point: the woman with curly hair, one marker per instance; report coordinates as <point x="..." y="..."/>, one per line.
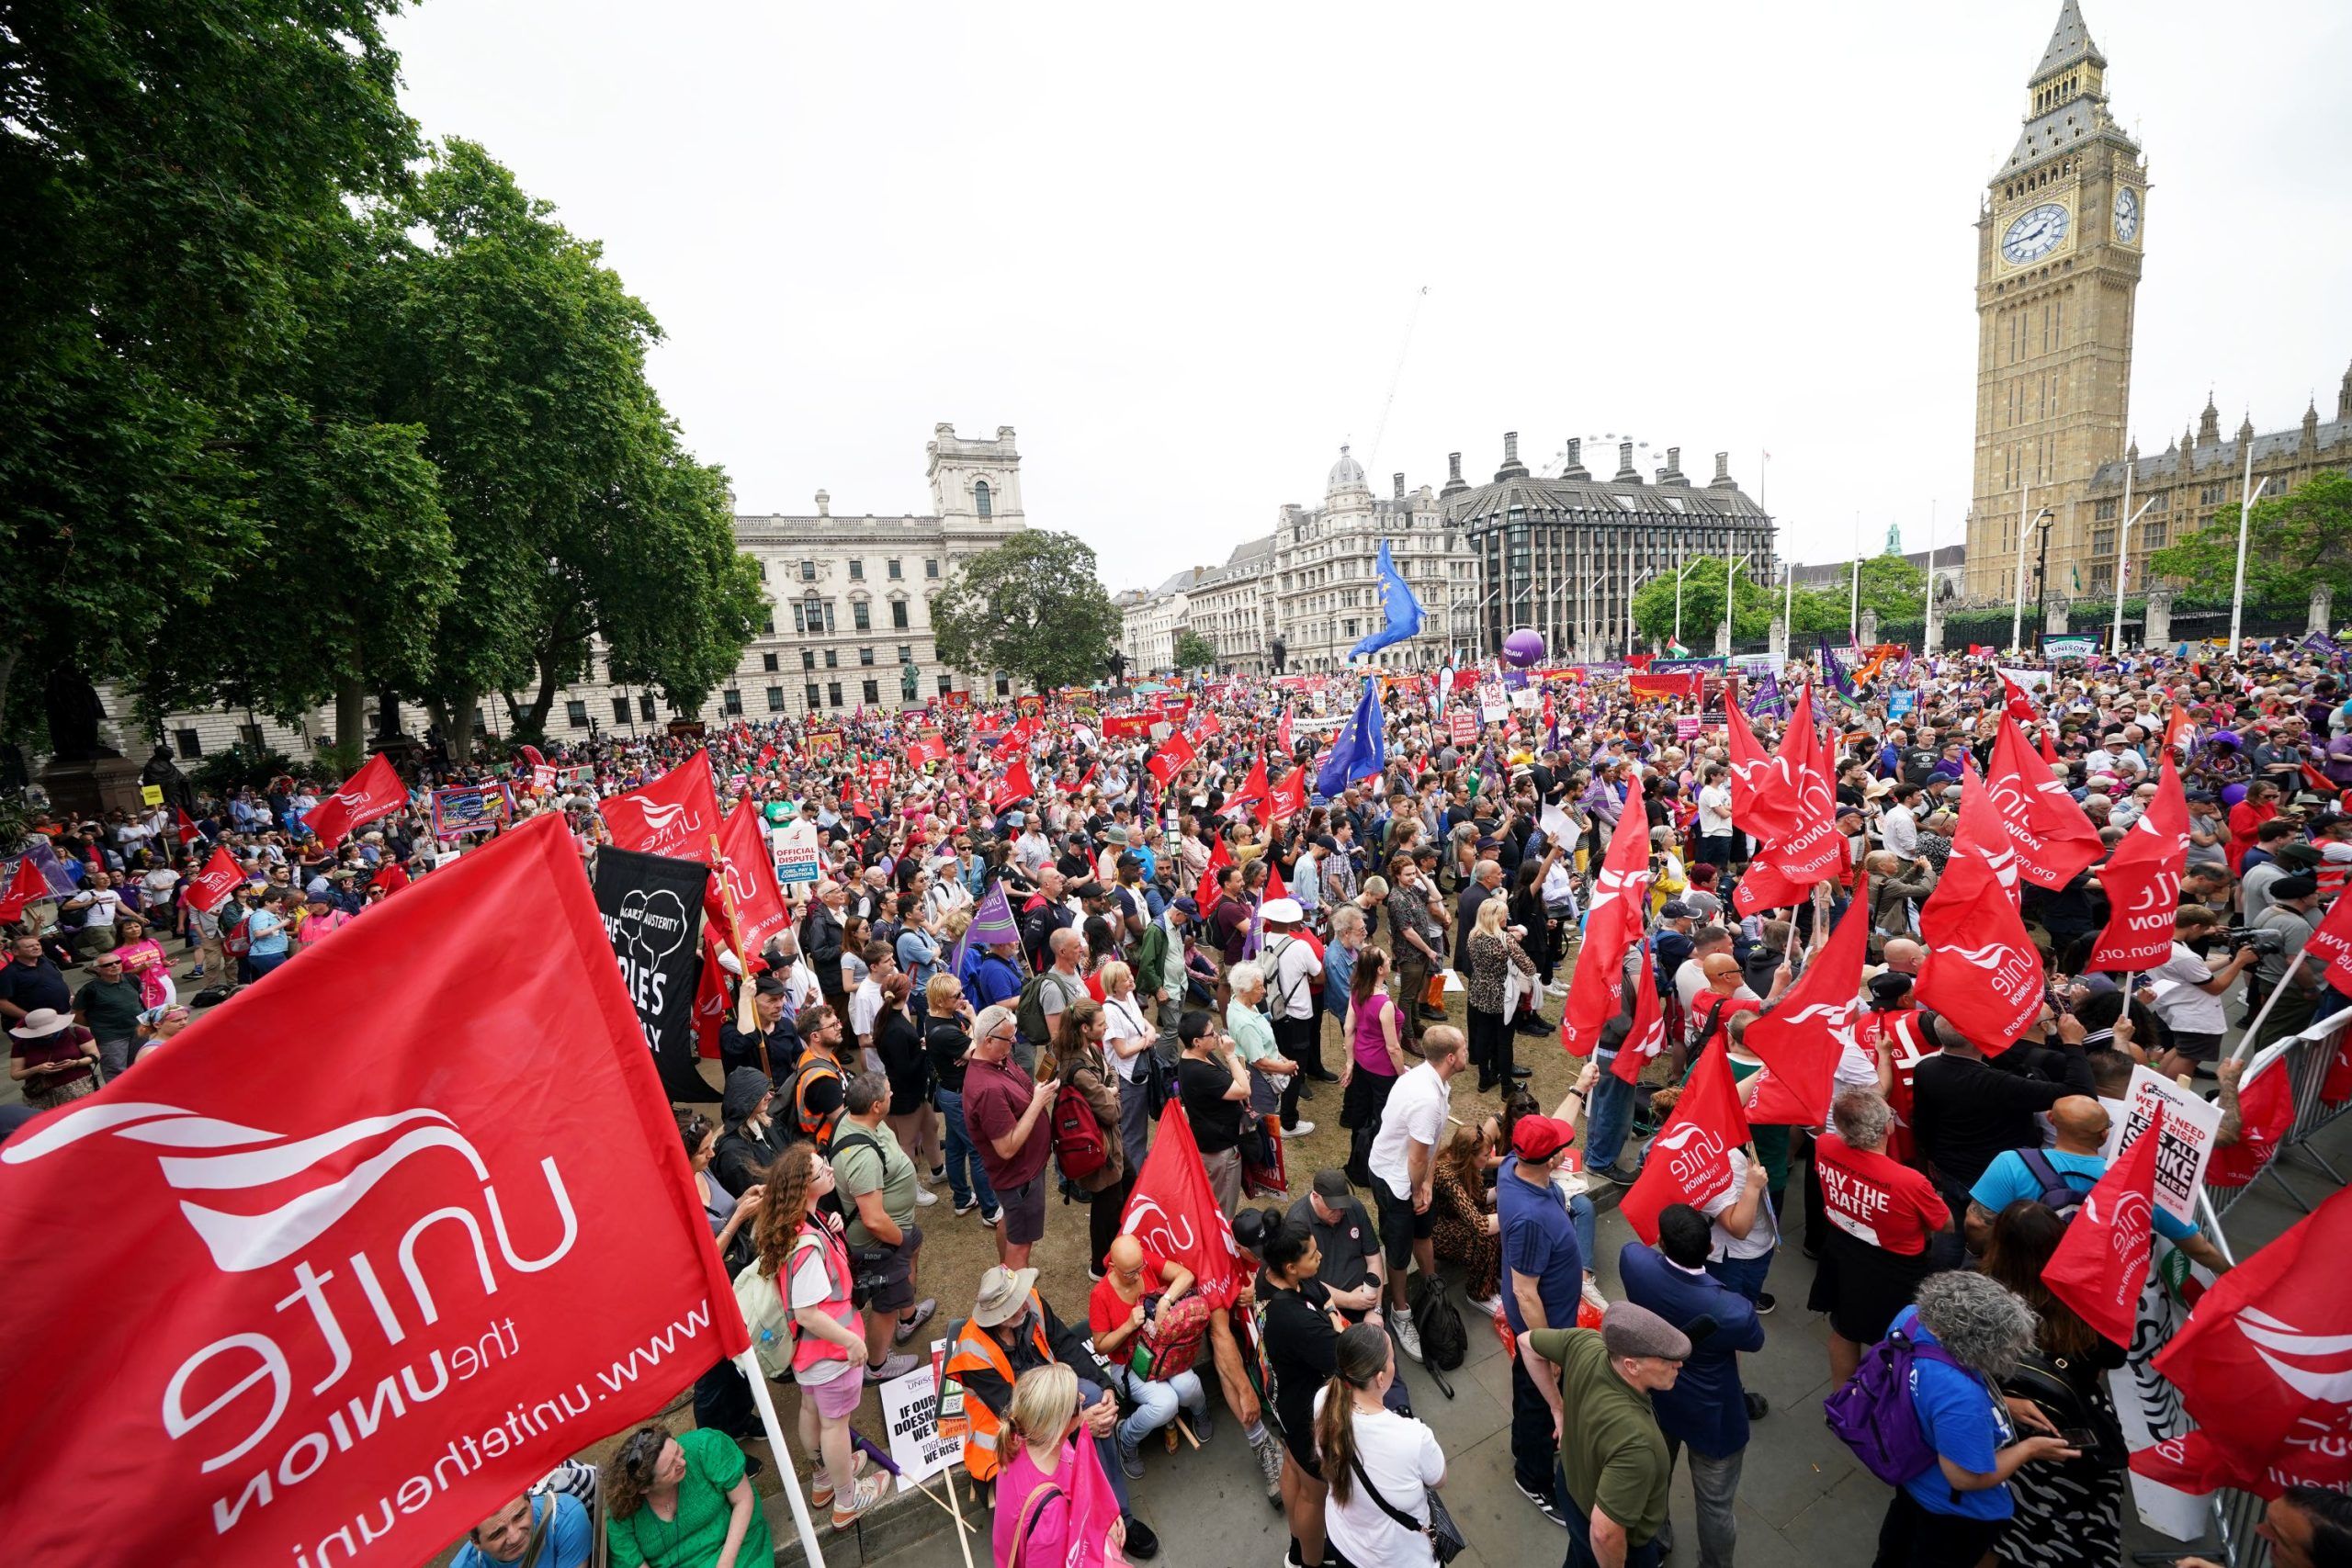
<point x="1466" y="1229"/>
<point x="683" y="1501"/>
<point x="803" y="1267"/>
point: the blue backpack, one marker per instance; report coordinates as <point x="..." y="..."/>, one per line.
<point x="1872" y="1413"/>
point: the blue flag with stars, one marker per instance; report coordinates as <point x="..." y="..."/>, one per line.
<point x="1397" y="601"/>
<point x="1361" y="747"/>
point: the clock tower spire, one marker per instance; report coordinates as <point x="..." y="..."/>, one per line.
<point x="2057" y="266"/>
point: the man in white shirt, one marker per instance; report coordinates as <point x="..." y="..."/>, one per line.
<point x="865" y="1003"/>
<point x="1032" y="849"/>
<point x="1691" y="977"/>
<point x="1293" y="977"/>
<point x="2186" y="991"/>
<point x="1404" y="1168"/>
<point x="1899" y="827"/>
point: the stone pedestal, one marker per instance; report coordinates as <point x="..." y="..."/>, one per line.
<point x="1778" y="640"/>
<point x="1870" y="627"/>
<point x="95" y="787"/>
<point x="2156" y="634"/>
<point x="2054" y="619"/>
<point x="2322" y="606"/>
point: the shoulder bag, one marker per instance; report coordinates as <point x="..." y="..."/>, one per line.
<point x="1444" y="1536"/>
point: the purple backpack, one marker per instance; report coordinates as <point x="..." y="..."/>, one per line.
<point x="1872" y="1413"/>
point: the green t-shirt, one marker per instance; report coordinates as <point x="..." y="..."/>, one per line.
<point x="692" y="1540"/>
<point x="1771" y="1142"/>
<point x="858" y="1169"/>
<point x="1612" y="1453"/>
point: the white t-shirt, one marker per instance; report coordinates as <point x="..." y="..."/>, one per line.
<point x="2178" y="1001"/>
<point x="1689" y="981"/>
<point x="1415" y="1111"/>
<point x="1401" y="1456"/>
<point x="1124" y="1020"/>
<point x="1290" y="981"/>
<point x="1761" y="1237"/>
<point x="104" y="906"/>
<point x="812" y="1287"/>
<point x="1715" y="812"/>
<point x="864" y="1007"/>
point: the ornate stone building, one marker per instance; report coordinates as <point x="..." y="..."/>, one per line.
<point x="1564" y="555"/>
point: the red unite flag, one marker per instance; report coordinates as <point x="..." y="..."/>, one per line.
<point x="374" y="791"/>
<point x="1288" y="798"/>
<point x="1016" y="784"/>
<point x="30" y="887"/>
<point x="2141" y="879"/>
<point x="1205" y="894"/>
<point x="2054" y="841"/>
<point x="188" y="831"/>
<point x="1173" y="1211"/>
<point x="1763" y="793"/>
<point x="745" y="871"/>
<point x="2020" y="706"/>
<point x="1253" y="791"/>
<point x="210" y="887"/>
<point x="1810" y="1028"/>
<point x="396" y="1298"/>
<point x="1813" y="851"/>
<point x="1646" y="1039"/>
<point x="1611" y="928"/>
<point x="1690" y="1160"/>
<point x="674" y="816"/>
<point x="2263" y="1367"/>
<point x="2331" y="944"/>
<point x="1983" y="971"/>
<point x="2102" y="1261"/>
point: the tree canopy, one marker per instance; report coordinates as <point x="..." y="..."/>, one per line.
<point x="2295" y="542"/>
<point x="1030" y="607"/>
<point x="1891" y="585"/>
<point x="1194" y="651"/>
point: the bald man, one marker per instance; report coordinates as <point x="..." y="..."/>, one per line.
<point x="1904" y="955"/>
<point x="2059" y="1175"/>
<point x="1134" y="1298"/>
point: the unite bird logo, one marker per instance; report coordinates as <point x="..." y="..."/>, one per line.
<point x="660" y="818"/>
<point x="2276" y="1341"/>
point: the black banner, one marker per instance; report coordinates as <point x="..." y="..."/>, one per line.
<point x="652" y="910"/>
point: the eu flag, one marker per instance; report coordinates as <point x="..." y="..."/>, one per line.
<point x="1361" y="748"/>
<point x="1397" y="604"/>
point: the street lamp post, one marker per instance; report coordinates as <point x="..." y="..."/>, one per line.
<point x="2249" y="492"/>
<point x="2041" y="525"/>
<point x="2017" y="617"/>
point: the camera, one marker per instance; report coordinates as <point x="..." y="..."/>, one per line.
<point x="2260" y="940"/>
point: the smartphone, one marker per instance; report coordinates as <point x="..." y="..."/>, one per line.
<point x="2080" y="1438"/>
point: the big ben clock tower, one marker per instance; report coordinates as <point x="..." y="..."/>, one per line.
<point x="2057" y="265"/>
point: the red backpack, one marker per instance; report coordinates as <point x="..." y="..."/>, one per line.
<point x="1078" y="1138"/>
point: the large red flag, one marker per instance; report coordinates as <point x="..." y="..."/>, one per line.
<point x="1763" y="791"/>
<point x="30" y="887"/>
<point x="1016" y="784"/>
<point x="374" y="791"/>
<point x="1690" y="1160"/>
<point x="210" y="887"/>
<point x="2019" y="705"/>
<point x="1611" y="928"/>
<point x="1205" y="894"/>
<point x="2054" y="841"/>
<point x="2331" y="944"/>
<point x="748" y="873"/>
<point x="1813" y="851"/>
<point x="1173" y="1211"/>
<point x="674" y="816"/>
<point x="2264" y="1366"/>
<point x="1210" y="725"/>
<point x="1288" y="798"/>
<point x="1809" y="1029"/>
<point x="395" y="1297"/>
<point x="1646" y="1039"/>
<point x="1253" y="788"/>
<point x="2141" y="879"/>
<point x="2102" y="1261"/>
<point x="1175" y="755"/>
<point x="1982" y="971"/>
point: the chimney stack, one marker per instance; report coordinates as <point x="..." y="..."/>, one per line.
<point x="1575" y="468"/>
<point x="1400" y="485"/>
<point x="1512" y="468"/>
<point x="1626" y="472"/>
<point x="1723" y="469"/>
<point x="1454" y="483"/>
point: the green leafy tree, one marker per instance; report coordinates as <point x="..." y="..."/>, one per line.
<point x="1702" y="605"/>
<point x="2294" y="543"/>
<point x="1032" y="607"/>
<point x="169" y="169"/>
<point x="1194" y="651"/>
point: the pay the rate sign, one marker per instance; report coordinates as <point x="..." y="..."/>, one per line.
<point x="337" y="1316"/>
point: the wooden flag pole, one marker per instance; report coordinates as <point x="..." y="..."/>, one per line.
<point x="747" y="1018"/>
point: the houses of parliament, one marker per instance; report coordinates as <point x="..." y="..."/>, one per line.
<point x="2059" y="240"/>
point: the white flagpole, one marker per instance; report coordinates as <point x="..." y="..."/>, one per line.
<point x="2250" y="493"/>
<point x="2017" y="617"/>
<point x="748" y="1364"/>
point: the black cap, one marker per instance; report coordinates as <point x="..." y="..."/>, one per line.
<point x="769" y="985"/>
<point x="1331" y="1185"/>
<point x="2298" y="885"/>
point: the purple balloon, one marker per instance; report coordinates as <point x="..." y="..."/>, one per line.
<point x="1523" y="649"/>
<point x="2233" y="794"/>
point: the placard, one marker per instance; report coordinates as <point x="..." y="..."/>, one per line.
<point x="822" y="742"/>
<point x="2069" y="647"/>
<point x="796" y="852"/>
<point x="911" y="1416"/>
<point x="2191" y="1123"/>
<point x="151" y="795"/>
<point x="469" y="809"/>
<point x="1687" y="726"/>
<point x="1462" y="728"/>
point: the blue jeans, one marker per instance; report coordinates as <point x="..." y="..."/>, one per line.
<point x="1581" y="1215"/>
<point x="1609" y="1116"/>
<point x="965" y="1179"/>
<point x="1744" y="1275"/>
<point x="1156" y="1404"/>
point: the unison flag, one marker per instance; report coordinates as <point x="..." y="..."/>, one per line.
<point x="395" y="1296"/>
<point x="650" y="907"/>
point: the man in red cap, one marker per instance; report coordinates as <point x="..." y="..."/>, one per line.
<point x="1547" y="1243"/>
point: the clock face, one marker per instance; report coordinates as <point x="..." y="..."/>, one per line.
<point x="2127" y="215"/>
<point x="2036" y="233"/>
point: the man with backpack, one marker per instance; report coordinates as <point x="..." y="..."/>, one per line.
<point x="2058" y="1177"/>
<point x="816" y="1092"/>
<point x="1048" y="994"/>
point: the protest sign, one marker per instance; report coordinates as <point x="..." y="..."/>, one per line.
<point x="1462" y="728"/>
<point x="2069" y="647"/>
<point x="795" y="852"/>
<point x="2187" y="1140"/>
<point x="469" y="809"/>
<point x="911" y="1416"/>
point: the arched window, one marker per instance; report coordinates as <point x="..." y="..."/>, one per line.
<point x="980" y="501"/>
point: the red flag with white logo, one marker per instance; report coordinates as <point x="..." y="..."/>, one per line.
<point x="396" y="1297"/>
<point x="1016" y="784"/>
<point x="1804" y="1034"/>
<point x="1983" y="971"/>
<point x="188" y="831"/>
<point x="1690" y="1160"/>
<point x="374" y="791"/>
<point x="2019" y="705"/>
<point x="1210" y="725"/>
<point x="2264" y="1366"/>
<point x="210" y="887"/>
<point x="747" y="875"/>
<point x="2141" y="879"/>
<point x="1175" y="755"/>
<point x="1611" y="928"/>
<point x="1763" y="791"/>
<point x="30" y="886"/>
<point x="1288" y="798"/>
<point x="1253" y="791"/>
<point x="673" y="816"/>
<point x="2331" y="944"/>
<point x="2102" y="1261"/>
<point x="1646" y="1039"/>
<point x="1219" y="858"/>
<point x="1173" y="1211"/>
<point x="1811" y="851"/>
<point x="2054" y="841"/>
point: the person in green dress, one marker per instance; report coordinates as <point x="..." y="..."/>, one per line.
<point x="682" y="1501"/>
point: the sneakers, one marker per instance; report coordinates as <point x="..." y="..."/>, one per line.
<point x="925" y="1196"/>
<point x="1757" y="1406"/>
<point x="966" y="1206"/>
<point x="1624" y="1176"/>
<point x="867" y="1493"/>
<point x="1300" y="1131"/>
<point x="1765" y="1304"/>
<point x="821" y="1491"/>
<point x="1202" y="1425"/>
<point x="892" y="1366"/>
<point x="988" y="1217"/>
<point x="1543" y="1501"/>
<point x="1130" y="1460"/>
<point x="1486" y="1305"/>
<point x="1270" y="1463"/>
<point x="921" y="1314"/>
<point x="937" y="1175"/>
<point x="1409" y="1338"/>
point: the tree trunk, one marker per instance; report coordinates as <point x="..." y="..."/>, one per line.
<point x="8" y="658"/>
<point x="459" y="728"/>
<point x="533" y="720"/>
<point x="351" y="715"/>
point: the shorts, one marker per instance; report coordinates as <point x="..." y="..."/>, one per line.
<point x="1400" y="1226"/>
<point x="1024" y="1211"/>
<point x="884" y="1278"/>
<point x="836" y="1398"/>
<point x="1714" y="849"/>
<point x="2195" y="1044"/>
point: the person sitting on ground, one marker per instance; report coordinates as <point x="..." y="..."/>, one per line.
<point x="1128" y="1307"/>
<point x="531" y="1531"/>
<point x="1467" y="1231"/>
<point x="682" y="1501"/>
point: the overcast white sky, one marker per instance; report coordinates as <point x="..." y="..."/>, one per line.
<point x="1178" y="248"/>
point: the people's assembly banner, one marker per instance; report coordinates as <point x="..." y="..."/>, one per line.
<point x="397" y="1296"/>
<point x="651" y="907"/>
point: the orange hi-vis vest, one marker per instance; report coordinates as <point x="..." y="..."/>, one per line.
<point x="814" y="1065"/>
<point x="977" y="1350"/>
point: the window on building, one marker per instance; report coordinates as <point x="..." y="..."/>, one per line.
<point x="775" y="699"/>
<point x="2160" y="504"/>
<point x="832" y="694"/>
<point x="2210" y="495"/>
<point x="808" y="658"/>
<point x="906" y="653"/>
<point x="861" y="616"/>
<point x="2152" y="536"/>
<point x="2102" y="541"/>
<point x="865" y="656"/>
<point x="763" y="569"/>
<point x="187" y="744"/>
<point x="891" y="567"/>
<point x="813" y="695"/>
<point x="645" y="706"/>
<point x="1003" y="686"/>
<point x="732" y="703"/>
<point x="2103" y="575"/>
<point x="767" y="620"/>
<point x="899" y="614"/>
<point x="983" y="503"/>
<point x="873" y="692"/>
<point x="833" y="658"/>
<point x="857" y="571"/>
<point x="807" y="571"/>
<point x="768" y="663"/>
<point x="2104" y="512"/>
<point x="620" y="710"/>
<point x="947" y="685"/>
<point x="930" y="568"/>
<point x="576" y="714"/>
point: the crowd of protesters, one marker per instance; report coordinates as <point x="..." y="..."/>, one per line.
<point x="1183" y="931"/>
